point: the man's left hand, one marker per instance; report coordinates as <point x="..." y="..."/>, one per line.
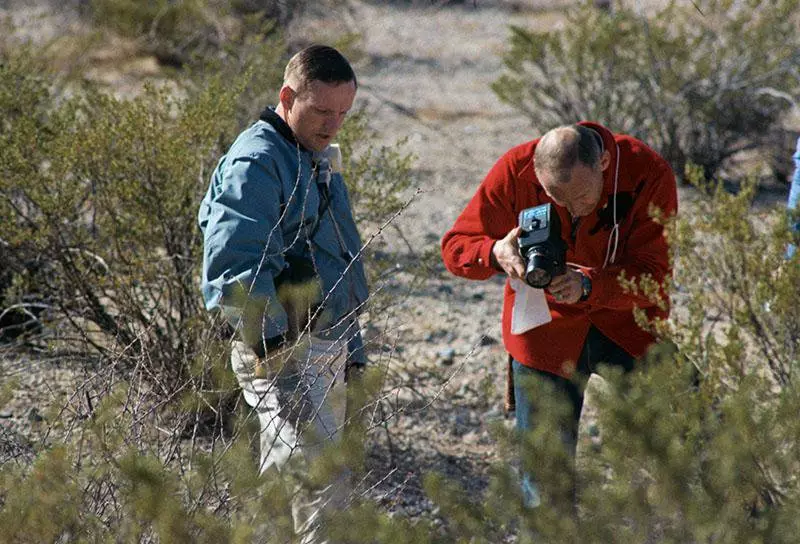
<point x="567" y="288"/>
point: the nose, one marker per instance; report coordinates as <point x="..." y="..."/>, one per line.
<point x="333" y="122"/>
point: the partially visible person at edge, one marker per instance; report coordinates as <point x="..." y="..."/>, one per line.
<point x="793" y="205"/>
<point x="282" y="263"/>
<point x="602" y="186"/>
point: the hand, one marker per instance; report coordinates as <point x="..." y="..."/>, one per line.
<point x="505" y="254"/>
<point x="567" y="288"/>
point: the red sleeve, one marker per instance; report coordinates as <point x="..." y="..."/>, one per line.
<point x="645" y="251"/>
<point x="467" y="246"/>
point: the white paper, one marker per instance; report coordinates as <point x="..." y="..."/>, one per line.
<point x="530" y="308"/>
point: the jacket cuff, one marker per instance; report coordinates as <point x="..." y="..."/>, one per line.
<point x="485" y="254"/>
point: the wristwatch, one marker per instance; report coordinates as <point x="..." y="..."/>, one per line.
<point x="586" y="287"/>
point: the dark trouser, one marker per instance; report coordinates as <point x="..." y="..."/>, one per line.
<point x="596" y="349"/>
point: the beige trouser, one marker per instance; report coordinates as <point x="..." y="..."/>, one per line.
<point x="299" y="397"/>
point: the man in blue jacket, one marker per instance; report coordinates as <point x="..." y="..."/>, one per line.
<point x="282" y="262"/>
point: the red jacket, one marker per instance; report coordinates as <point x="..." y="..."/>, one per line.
<point x="645" y="180"/>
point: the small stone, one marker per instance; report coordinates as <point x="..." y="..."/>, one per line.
<point x="487" y="340"/>
<point x="433" y="336"/>
<point x="447" y="356"/>
<point x="6" y="415"/>
<point x="34" y="415"/>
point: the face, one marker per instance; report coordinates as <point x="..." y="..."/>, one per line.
<point x="316" y="114"/>
<point x="582" y="192"/>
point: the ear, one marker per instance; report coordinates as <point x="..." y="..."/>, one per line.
<point x="605" y="161"/>
<point x="287" y="96"/>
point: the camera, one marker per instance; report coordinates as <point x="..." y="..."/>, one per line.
<point x="541" y="246"/>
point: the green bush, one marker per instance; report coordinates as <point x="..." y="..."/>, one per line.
<point x="100" y="195"/>
<point x="699" y="81"/>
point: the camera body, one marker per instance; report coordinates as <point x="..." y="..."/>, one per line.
<point x="541" y="246"/>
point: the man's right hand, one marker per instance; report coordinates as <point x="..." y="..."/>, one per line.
<point x="505" y="255"/>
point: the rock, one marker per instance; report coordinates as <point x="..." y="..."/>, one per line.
<point x="436" y="335"/>
<point x="486" y="340"/>
<point x="34" y="415"/>
<point x="447" y="356"/>
<point x="493" y="414"/>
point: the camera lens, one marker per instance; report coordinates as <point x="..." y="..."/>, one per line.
<point x="539" y="271"/>
<point x="538" y="278"/>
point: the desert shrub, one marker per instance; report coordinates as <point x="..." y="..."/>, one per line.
<point x="699" y="81"/>
<point x="101" y="194"/>
<point x="172" y="31"/>
<point x="280" y="11"/>
<point x="701" y="445"/>
<point x="177" y="33"/>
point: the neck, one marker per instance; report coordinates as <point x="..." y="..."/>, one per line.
<point x="281" y="112"/>
<point x="277" y="121"/>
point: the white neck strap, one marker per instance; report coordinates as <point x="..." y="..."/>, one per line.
<point x="613" y="238"/>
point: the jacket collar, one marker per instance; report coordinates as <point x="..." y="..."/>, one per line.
<point x="280" y="126"/>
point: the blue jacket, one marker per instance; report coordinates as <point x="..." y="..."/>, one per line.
<point x="794" y="197"/>
<point x="263" y="206"/>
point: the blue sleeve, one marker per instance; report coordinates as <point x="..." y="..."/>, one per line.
<point x="356" y="354"/>
<point x="794" y="197"/>
<point x="243" y="243"/>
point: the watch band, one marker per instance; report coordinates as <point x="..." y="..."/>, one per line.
<point x="586" y="287"/>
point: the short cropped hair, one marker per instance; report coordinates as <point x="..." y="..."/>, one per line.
<point x="561" y="148"/>
<point x="317" y="63"/>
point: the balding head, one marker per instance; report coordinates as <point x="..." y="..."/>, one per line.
<point x="569" y="162"/>
<point x="561" y="148"/>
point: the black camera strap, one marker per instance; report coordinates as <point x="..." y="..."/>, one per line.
<point x="324" y="199"/>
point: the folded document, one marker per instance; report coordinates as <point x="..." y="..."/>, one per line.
<point x="530" y="307"/>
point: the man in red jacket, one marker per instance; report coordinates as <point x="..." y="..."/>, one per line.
<point x="603" y="187"/>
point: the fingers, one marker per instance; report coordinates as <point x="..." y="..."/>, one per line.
<point x="506" y="253"/>
<point x="566" y="288"/>
<point x="514" y="234"/>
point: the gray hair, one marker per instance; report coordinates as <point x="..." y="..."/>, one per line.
<point x="561" y="148"/>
